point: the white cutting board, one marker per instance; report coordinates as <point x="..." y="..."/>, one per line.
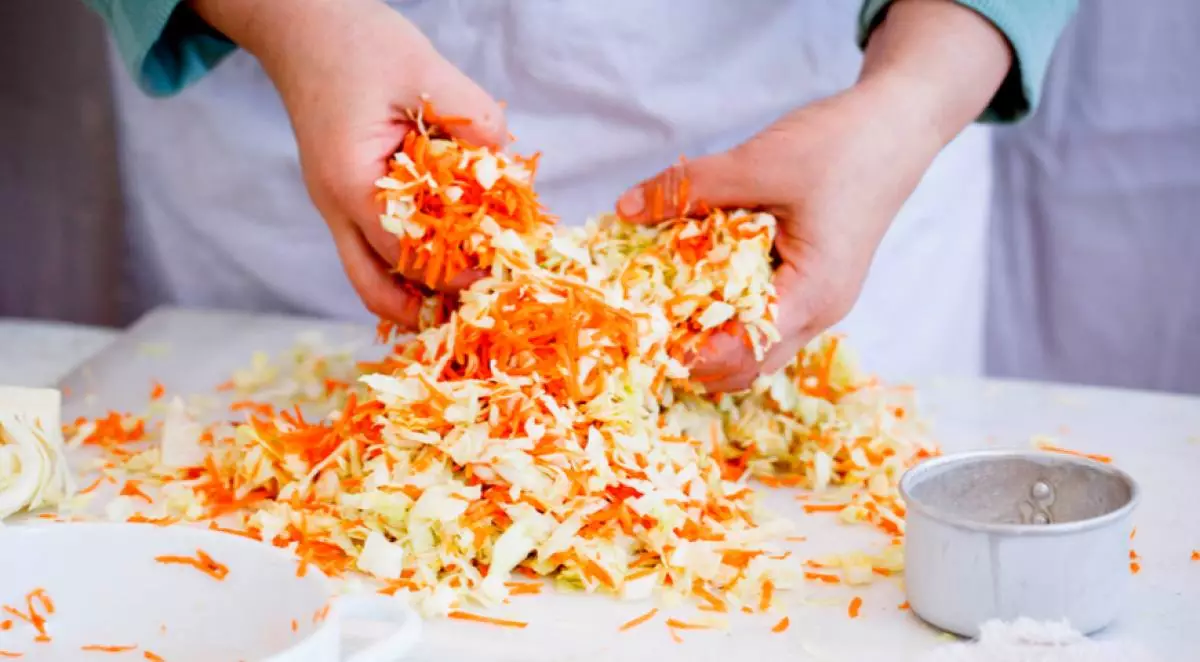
<point x="193" y="351"/>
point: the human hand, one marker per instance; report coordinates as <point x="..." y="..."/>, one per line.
<point x="349" y="71"/>
<point x="834" y="174"/>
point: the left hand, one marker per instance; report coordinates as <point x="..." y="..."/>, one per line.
<point x="834" y="174"/>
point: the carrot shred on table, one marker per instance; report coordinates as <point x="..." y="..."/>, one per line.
<point x="321" y="614"/>
<point x="153" y="657"/>
<point x="632" y="623"/>
<point x="1196" y="554"/>
<point x="524" y="588"/>
<point x="478" y="618"/>
<point x="781" y="625"/>
<point x="11" y="654"/>
<point x="1135" y="567"/>
<point x="855" y="606"/>
<point x="101" y="648"/>
<point x="675" y="635"/>
<point x="6" y="624"/>
<point x="157" y="391"/>
<point x="820" y="577"/>
<point x="796" y="539"/>
<point x="203" y="562"/>
<point x="1067" y="451"/>
<point x="295" y="625"/>
<point x="676" y="624"/>
<point x="768" y="591"/>
<point x="1133" y="533"/>
<point x="903" y="606"/>
<point x="824" y="507"/>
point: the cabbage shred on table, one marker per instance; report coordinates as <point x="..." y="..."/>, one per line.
<point x="546" y="426"/>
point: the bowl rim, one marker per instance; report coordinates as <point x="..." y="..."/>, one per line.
<point x="913" y="476"/>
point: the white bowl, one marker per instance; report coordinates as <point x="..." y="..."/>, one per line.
<point x="107" y="589"/>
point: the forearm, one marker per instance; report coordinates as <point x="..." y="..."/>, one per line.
<point x="936" y="63"/>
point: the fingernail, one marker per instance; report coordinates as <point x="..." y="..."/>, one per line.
<point x="632" y="203"/>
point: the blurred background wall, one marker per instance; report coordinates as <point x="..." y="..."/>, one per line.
<point x="61" y="240"/>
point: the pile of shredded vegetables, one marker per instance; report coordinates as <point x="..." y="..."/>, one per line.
<point x="546" y="428"/>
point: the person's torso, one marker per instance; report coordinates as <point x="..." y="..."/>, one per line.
<point x="610" y="92"/>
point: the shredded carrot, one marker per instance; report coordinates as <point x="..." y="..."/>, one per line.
<point x="467" y="616"/>
<point x="1133" y="533"/>
<point x="630" y="624"/>
<point x="6" y="624"/>
<point x="321" y="614"/>
<point x="1196" y="555"/>
<point x="132" y="488"/>
<point x="1067" y="451"/>
<point x="676" y="624"/>
<point x="796" y="539"/>
<point x="157" y="391"/>
<point x="819" y="577"/>
<point x="781" y="625"/>
<point x="203" y="562"/>
<point x="824" y="507"/>
<point x="91" y="487"/>
<point x="1135" y="567"/>
<point x="295" y="625"/>
<point x="11" y="654"/>
<point x="768" y="590"/>
<point x="524" y="588"/>
<point x="903" y="606"/>
<point x="855" y="606"/>
<point x="100" y="648"/>
<point x="153" y="657"/>
<point x="675" y="635"/>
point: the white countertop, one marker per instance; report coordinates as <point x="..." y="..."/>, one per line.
<point x="36" y="353"/>
<point x="1154" y="437"/>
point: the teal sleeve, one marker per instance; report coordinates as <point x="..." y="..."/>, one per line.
<point x="164" y="45"/>
<point x="1032" y="28"/>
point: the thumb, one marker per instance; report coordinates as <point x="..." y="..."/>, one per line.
<point x="459" y="106"/>
<point x="689" y="187"/>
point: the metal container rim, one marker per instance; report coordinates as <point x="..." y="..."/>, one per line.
<point x="915" y="475"/>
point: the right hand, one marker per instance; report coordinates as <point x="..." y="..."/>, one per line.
<point x="348" y="71"/>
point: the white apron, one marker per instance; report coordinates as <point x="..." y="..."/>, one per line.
<point x="1096" y="236"/>
<point x="610" y="92"/>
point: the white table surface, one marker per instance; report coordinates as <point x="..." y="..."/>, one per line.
<point x="36" y="353"/>
<point x="1154" y="437"/>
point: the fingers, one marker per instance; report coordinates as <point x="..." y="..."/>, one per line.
<point x="463" y="108"/>
<point x="380" y="292"/>
<point x="719" y="180"/>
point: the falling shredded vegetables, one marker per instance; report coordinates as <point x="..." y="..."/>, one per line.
<point x="545" y="424"/>
<point x="855" y="606"/>
<point x="632" y="623"/>
<point x="467" y="616"/>
<point x="202" y="562"/>
<point x="781" y="625"/>
<point x="153" y="657"/>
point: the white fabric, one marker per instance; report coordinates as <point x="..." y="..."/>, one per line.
<point x="1096" y="235"/>
<point x="610" y="92"/>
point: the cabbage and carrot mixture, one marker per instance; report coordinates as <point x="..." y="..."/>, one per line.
<point x="547" y="427"/>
